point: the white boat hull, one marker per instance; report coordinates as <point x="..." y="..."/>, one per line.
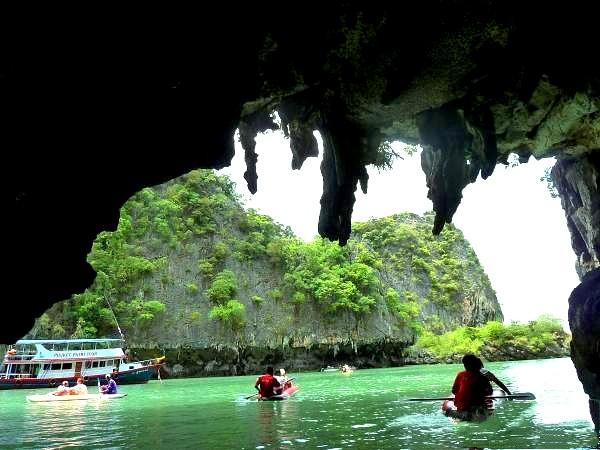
<point x="68" y="398"/>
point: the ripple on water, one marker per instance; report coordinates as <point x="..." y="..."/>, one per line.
<point x="422" y="421"/>
<point x="364" y="425"/>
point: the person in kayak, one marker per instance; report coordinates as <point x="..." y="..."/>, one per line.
<point x="491" y="377"/>
<point x="266" y="383"/>
<point x="62" y="389"/>
<point x="470" y="390"/>
<point x="79" y="388"/>
<point x="110" y="387"/>
<point x="282" y="378"/>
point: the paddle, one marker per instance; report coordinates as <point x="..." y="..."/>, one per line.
<point x="254" y="395"/>
<point x="519" y="396"/>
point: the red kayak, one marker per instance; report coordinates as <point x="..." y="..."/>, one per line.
<point x="289" y="389"/>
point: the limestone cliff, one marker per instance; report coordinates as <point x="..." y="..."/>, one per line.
<point x="190" y="270"/>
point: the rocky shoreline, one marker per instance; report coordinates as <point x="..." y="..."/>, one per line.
<point x="223" y="361"/>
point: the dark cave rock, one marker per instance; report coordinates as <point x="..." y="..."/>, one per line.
<point x="91" y="116"/>
<point x="577" y="180"/>
<point x="249" y="126"/>
<point x="454" y="153"/>
<point x="342" y="168"/>
<point x="299" y="118"/>
<point x="584" y="320"/>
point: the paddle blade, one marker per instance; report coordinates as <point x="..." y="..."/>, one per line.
<point x="516" y="396"/>
<point x="519" y="396"/>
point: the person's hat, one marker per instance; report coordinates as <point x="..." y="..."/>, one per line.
<point x="108" y="375"/>
<point x="65" y="383"/>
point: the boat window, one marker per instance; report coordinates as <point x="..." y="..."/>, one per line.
<point x="102" y="364"/>
<point x="55" y="366"/>
<point x="46" y="366"/>
<point x="95" y="364"/>
<point x="67" y="366"/>
<point x="88" y="364"/>
<point x="29" y="349"/>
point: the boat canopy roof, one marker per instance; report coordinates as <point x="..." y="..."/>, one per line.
<point x="65" y="341"/>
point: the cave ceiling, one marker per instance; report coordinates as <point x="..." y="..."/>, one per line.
<point x="99" y="107"/>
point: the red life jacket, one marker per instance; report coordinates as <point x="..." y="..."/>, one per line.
<point x="266" y="382"/>
<point x="470" y="389"/>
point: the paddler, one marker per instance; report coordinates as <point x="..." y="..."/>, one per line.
<point x="110" y="387"/>
<point x="282" y="378"/>
<point x="62" y="389"/>
<point x="470" y="390"/>
<point x="79" y="389"/>
<point x="266" y="383"/>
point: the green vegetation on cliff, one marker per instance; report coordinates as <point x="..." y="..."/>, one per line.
<point x="543" y="337"/>
<point x="188" y="265"/>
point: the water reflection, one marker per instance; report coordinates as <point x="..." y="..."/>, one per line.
<point x="275" y="420"/>
<point x="328" y="412"/>
<point x="70" y="424"/>
<point x="266" y="423"/>
<point x="551" y="391"/>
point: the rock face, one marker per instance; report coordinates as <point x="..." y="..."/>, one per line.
<point x="578" y="183"/>
<point x="584" y="312"/>
<point x="190" y="245"/>
<point x="462" y="77"/>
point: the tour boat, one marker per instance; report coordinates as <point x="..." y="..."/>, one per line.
<point x="49" y="362"/>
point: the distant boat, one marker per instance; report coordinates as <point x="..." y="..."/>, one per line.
<point x="34" y="363"/>
<point x="345" y="369"/>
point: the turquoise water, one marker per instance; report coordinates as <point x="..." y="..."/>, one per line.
<point x="365" y="410"/>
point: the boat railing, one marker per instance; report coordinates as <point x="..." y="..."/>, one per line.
<point x="15" y="375"/>
<point x="15" y="359"/>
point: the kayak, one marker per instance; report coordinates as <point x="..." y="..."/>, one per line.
<point x="478" y="415"/>
<point x="69" y="398"/>
<point x="287" y="393"/>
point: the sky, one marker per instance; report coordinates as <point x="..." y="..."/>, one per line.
<point x="518" y="231"/>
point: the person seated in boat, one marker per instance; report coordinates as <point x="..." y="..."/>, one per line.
<point x="346" y="368"/>
<point x="470" y="390"/>
<point x="110" y="387"/>
<point x="490" y="376"/>
<point x="283" y="381"/>
<point x="266" y="383"/>
<point x="79" y="389"/>
<point x="62" y="389"/>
